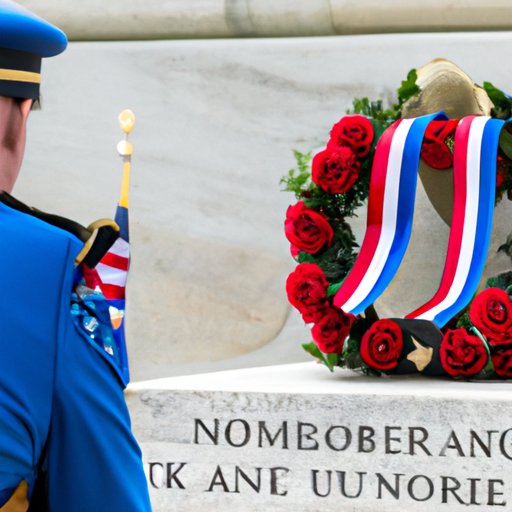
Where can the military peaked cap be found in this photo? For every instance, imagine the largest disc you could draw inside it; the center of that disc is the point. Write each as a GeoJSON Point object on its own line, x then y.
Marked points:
{"type": "Point", "coordinates": [25, 39]}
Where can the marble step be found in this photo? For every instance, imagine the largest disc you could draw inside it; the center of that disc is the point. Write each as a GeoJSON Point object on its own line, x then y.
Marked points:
{"type": "Point", "coordinates": [174, 19]}
{"type": "Point", "coordinates": [296, 437]}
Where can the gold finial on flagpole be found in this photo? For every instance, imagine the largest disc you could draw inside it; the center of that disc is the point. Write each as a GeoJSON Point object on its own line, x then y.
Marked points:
{"type": "Point", "coordinates": [125, 150]}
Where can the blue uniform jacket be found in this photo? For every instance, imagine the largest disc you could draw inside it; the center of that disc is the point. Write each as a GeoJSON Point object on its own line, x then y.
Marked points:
{"type": "Point", "coordinates": [62, 411]}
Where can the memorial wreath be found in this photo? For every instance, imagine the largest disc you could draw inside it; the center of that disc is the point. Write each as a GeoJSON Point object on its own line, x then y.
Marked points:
{"type": "Point", "coordinates": [474, 337]}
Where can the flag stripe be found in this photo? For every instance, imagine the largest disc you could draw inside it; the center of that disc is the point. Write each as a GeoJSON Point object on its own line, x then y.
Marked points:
{"type": "Point", "coordinates": [110, 275]}
{"type": "Point", "coordinates": [120, 248]}
{"type": "Point", "coordinates": [113, 292]}
{"type": "Point", "coordinates": [113, 260]}
{"type": "Point", "coordinates": [122, 220]}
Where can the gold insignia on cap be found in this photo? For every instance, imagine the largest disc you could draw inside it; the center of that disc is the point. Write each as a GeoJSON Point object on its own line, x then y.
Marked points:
{"type": "Point", "coordinates": [15, 75]}
{"type": "Point", "coordinates": [422, 356]}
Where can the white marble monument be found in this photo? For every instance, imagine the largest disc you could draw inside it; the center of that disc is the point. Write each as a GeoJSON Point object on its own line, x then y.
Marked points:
{"type": "Point", "coordinates": [298, 438]}
{"type": "Point", "coordinates": [216, 123]}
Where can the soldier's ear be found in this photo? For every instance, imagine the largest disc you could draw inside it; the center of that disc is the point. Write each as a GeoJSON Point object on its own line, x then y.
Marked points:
{"type": "Point", "coordinates": [25, 106]}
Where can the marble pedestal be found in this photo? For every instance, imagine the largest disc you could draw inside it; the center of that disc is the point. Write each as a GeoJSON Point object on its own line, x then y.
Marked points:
{"type": "Point", "coordinates": [296, 437]}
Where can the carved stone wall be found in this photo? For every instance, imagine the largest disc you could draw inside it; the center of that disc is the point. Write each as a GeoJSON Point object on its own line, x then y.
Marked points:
{"type": "Point", "coordinates": [175, 19]}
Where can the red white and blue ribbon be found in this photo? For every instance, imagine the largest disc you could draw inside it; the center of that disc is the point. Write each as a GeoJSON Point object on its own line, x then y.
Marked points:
{"type": "Point", "coordinates": [474, 175]}
{"type": "Point", "coordinates": [390, 214]}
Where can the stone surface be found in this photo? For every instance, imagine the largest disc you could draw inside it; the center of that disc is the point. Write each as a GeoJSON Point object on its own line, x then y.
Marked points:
{"type": "Point", "coordinates": [171, 19]}
{"type": "Point", "coordinates": [287, 438]}
{"type": "Point", "coordinates": [216, 122]}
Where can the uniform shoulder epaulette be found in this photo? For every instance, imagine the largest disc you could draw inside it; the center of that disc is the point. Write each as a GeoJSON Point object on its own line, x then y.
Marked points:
{"type": "Point", "coordinates": [97, 238]}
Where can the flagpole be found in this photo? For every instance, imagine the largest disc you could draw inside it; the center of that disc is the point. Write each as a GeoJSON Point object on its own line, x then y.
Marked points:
{"type": "Point", "coordinates": [125, 150]}
{"type": "Point", "coordinates": [120, 259]}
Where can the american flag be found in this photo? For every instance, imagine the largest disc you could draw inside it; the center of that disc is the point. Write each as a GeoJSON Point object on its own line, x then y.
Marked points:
{"type": "Point", "coordinates": [113, 267]}
{"type": "Point", "coordinates": [111, 273]}
{"type": "Point", "coordinates": [110, 276]}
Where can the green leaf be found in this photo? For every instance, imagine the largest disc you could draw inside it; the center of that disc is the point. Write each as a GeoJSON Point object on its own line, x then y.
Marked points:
{"type": "Point", "coordinates": [502, 104]}
{"type": "Point", "coordinates": [464, 321]}
{"type": "Point", "coordinates": [373, 109]}
{"type": "Point", "coordinates": [351, 355]}
{"type": "Point", "coordinates": [506, 142]}
{"type": "Point", "coordinates": [312, 349]}
{"type": "Point", "coordinates": [408, 87]}
{"type": "Point", "coordinates": [379, 128]}
{"type": "Point", "coordinates": [330, 360]}
{"type": "Point", "coordinates": [303, 160]}
{"type": "Point", "coordinates": [360, 106]}
{"type": "Point", "coordinates": [337, 260]}
{"type": "Point", "coordinates": [502, 281]}
{"type": "Point", "coordinates": [497, 96]}
{"type": "Point", "coordinates": [371, 372]}
{"type": "Point", "coordinates": [305, 257]}
{"type": "Point", "coordinates": [473, 330]}
{"type": "Point", "coordinates": [333, 288]}
{"type": "Point", "coordinates": [298, 180]}
{"type": "Point", "coordinates": [360, 326]}
{"type": "Point", "coordinates": [489, 368]}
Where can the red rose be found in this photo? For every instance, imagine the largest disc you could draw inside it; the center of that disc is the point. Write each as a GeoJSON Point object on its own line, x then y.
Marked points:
{"type": "Point", "coordinates": [437, 155]}
{"type": "Point", "coordinates": [434, 150]}
{"type": "Point", "coordinates": [491, 314]}
{"type": "Point", "coordinates": [330, 332]}
{"type": "Point", "coordinates": [335, 170]}
{"type": "Point", "coordinates": [354, 131]}
{"type": "Point", "coordinates": [306, 288]}
{"type": "Point", "coordinates": [462, 353]}
{"type": "Point", "coordinates": [382, 345]}
{"type": "Point", "coordinates": [306, 229]}
{"type": "Point", "coordinates": [294, 251]}
{"type": "Point", "coordinates": [502, 362]}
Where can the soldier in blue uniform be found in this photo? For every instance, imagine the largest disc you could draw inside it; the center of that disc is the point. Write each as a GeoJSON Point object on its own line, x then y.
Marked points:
{"type": "Point", "coordinates": [65, 438]}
